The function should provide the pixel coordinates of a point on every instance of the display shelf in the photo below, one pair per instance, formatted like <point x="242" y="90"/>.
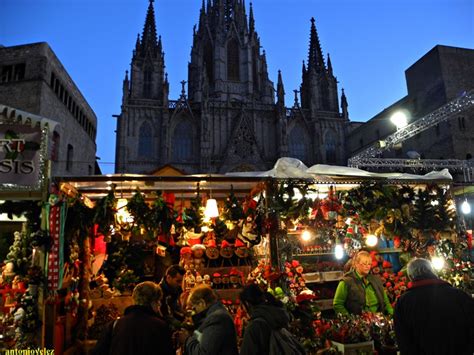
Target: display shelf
<point x="325" y="304"/>
<point x="323" y="276"/>
<point x="225" y="270"/>
<point x="229" y="293"/>
<point x="332" y="275"/>
<point x="121" y="302"/>
<point x="389" y="250"/>
<point x="313" y="254"/>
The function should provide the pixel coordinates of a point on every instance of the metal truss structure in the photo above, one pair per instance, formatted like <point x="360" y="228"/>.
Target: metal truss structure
<point x="370" y="156"/>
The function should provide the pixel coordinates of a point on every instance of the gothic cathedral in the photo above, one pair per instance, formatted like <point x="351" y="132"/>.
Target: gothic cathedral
<point x="232" y="118"/>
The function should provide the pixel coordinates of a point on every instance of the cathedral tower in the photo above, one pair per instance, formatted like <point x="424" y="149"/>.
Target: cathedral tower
<point x="144" y="97"/>
<point x="319" y="86"/>
<point x="226" y="63"/>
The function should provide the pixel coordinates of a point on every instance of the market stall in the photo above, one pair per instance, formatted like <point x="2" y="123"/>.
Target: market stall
<point x="291" y="230"/>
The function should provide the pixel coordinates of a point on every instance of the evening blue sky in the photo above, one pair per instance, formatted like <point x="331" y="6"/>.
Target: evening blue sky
<point x="371" y="43"/>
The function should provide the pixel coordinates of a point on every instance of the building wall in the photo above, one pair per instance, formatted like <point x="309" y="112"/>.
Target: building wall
<point x="440" y="76"/>
<point x="47" y="90"/>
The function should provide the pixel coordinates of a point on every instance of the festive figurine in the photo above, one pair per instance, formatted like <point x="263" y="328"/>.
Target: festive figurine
<point x="189" y="280"/>
<point x="186" y="256"/>
<point x="248" y="230"/>
<point x="226" y="253"/>
<point x="212" y="253"/>
<point x="216" y="280"/>
<point x="234" y="278"/>
<point x="206" y="279"/>
<point x="8" y="272"/>
<point x="225" y="281"/>
<point x="242" y="251"/>
<point x="199" y="279"/>
<point x="198" y="255"/>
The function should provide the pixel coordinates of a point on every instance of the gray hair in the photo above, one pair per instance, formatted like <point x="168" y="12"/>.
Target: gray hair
<point x="419" y="269"/>
<point x="146" y="293"/>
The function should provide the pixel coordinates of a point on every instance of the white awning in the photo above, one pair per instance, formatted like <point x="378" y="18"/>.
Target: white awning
<point x="294" y="168"/>
<point x="24" y="117"/>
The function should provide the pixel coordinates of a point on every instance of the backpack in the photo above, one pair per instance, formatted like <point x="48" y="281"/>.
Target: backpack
<point x="282" y="342"/>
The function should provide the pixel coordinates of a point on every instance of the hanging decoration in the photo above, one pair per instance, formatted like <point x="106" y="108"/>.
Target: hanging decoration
<point x="56" y="210"/>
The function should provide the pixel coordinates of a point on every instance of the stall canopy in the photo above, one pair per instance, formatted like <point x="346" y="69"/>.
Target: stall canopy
<point x="294" y="168"/>
<point x="23" y="117"/>
<point x="125" y="185"/>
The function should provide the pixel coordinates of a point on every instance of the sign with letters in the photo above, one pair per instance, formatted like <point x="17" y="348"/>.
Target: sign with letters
<point x="22" y="155"/>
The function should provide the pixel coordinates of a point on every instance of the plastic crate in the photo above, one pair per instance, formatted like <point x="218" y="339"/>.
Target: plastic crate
<point x="367" y="347"/>
<point x="312" y="277"/>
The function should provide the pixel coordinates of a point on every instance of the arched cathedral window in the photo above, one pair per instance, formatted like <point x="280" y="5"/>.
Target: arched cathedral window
<point x="145" y="144"/>
<point x="233" y="60"/>
<point x="147" y="83"/>
<point x="296" y="143"/>
<point x="182" y="143"/>
<point x="209" y="62"/>
<point x="330" y="146"/>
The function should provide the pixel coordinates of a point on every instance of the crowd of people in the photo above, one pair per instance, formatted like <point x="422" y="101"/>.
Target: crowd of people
<point x="432" y="317"/>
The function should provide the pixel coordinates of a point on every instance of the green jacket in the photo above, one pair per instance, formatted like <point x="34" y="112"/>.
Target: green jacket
<point x="354" y="302"/>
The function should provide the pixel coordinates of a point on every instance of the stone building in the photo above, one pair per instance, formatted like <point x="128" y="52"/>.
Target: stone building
<point x="441" y="75"/>
<point x="230" y="118"/>
<point x="32" y="79"/>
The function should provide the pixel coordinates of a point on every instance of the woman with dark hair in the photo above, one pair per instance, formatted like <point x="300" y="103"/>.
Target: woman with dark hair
<point x="266" y="316"/>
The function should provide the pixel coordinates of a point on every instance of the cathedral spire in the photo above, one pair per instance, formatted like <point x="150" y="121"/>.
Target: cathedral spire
<point x="329" y="65"/>
<point x="315" y="55"/>
<point x="202" y="15"/>
<point x="344" y="105"/>
<point x="137" y="43"/>
<point x="251" y="20"/>
<point x="149" y="40"/>
<point x="280" y="90"/>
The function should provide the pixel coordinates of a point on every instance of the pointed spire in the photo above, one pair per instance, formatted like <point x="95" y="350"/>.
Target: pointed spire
<point x="125" y="88"/>
<point x="251" y="20"/>
<point x="202" y="17"/>
<point x="149" y="30"/>
<point x="344" y="105"/>
<point x="137" y="43"/>
<point x="315" y="55"/>
<point x="296" y="103"/>
<point x="329" y="65"/>
<point x="183" y="89"/>
<point x="304" y="69"/>
<point x="280" y="90"/>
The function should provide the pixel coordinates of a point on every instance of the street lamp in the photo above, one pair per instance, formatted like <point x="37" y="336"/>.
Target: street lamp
<point x="399" y="119"/>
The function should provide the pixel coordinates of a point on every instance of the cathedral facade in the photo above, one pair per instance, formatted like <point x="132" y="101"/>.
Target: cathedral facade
<point x="232" y="118"/>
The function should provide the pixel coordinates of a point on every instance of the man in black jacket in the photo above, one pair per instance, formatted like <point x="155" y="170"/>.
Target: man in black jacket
<point x="433" y="317"/>
<point x="215" y="332"/>
<point x="171" y="286"/>
<point x="141" y="330"/>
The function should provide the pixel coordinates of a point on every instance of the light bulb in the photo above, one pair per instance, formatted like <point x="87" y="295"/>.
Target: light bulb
<point x="339" y="251"/>
<point x="399" y="119"/>
<point x="306" y="235"/>
<point x="371" y="240"/>
<point x="211" y="210"/>
<point x="466" y="207"/>
<point x="437" y="262"/>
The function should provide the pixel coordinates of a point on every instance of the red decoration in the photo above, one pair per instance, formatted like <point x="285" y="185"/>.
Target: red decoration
<point x="53" y="255"/>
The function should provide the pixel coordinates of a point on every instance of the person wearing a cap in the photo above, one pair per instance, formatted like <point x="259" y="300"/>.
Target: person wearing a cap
<point x="171" y="285"/>
<point x="267" y="314"/>
<point x="433" y="317"/>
